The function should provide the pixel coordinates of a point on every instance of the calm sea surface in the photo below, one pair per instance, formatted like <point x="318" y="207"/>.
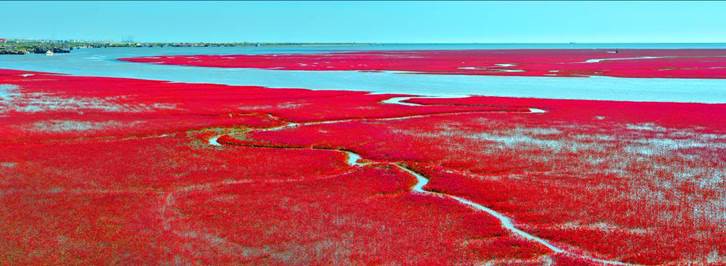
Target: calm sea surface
<point x="102" y="62"/>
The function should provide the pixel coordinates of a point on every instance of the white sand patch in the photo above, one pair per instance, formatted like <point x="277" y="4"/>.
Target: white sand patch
<point x="603" y="226"/>
<point x="652" y="146"/>
<point x="598" y="60"/>
<point x="8" y="164"/>
<point x="645" y="127"/>
<point x="518" y="139"/>
<point x="37" y="102"/>
<point x="59" y="126"/>
<point x="8" y="91"/>
<point x="472" y="68"/>
<point x="542" y="131"/>
<point x="594" y="137"/>
<point x="713" y="257"/>
<point x="11" y="98"/>
<point x="285" y="105"/>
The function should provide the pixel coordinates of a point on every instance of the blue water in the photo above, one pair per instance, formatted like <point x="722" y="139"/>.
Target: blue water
<point x="102" y="62"/>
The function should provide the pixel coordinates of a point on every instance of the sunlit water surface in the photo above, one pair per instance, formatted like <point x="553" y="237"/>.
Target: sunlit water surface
<point x="102" y="62"/>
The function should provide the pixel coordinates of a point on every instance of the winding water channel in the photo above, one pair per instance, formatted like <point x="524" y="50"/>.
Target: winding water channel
<point x="102" y="62"/>
<point x="354" y="160"/>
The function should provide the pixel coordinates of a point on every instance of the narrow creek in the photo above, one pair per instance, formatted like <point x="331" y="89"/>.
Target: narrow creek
<point x="354" y="160"/>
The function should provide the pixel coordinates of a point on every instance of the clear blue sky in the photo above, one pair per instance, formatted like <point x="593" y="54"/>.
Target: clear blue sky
<point x="495" y="22"/>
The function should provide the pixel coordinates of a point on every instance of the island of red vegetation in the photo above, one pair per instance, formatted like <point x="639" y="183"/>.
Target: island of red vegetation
<point x="631" y="63"/>
<point x="109" y="170"/>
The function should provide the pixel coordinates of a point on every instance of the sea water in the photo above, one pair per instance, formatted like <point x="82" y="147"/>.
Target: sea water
<point x="103" y="62"/>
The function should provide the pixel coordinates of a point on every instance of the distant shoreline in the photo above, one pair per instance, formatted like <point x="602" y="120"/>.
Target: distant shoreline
<point x="23" y="46"/>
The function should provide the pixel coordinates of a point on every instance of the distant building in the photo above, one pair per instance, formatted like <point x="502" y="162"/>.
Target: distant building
<point x="2" y="40"/>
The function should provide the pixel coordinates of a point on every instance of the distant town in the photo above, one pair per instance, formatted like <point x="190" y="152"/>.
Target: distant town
<point x="50" y="47"/>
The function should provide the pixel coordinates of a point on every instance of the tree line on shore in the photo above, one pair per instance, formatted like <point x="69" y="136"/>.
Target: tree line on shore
<point x="20" y="47"/>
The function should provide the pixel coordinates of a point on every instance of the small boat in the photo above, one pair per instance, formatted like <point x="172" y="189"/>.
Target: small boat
<point x="49" y="53"/>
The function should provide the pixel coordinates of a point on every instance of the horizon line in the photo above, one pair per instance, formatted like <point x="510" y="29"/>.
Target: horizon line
<point x="354" y="42"/>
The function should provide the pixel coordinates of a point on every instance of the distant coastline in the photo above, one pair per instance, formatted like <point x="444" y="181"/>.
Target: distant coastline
<point x="21" y="47"/>
<point x="25" y="46"/>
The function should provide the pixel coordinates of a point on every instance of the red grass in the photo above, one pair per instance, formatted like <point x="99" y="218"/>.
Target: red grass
<point x="684" y="63"/>
<point x="567" y="175"/>
<point x="103" y="170"/>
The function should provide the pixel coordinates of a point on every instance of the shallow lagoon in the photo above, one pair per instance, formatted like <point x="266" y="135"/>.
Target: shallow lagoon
<point x="102" y="62"/>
